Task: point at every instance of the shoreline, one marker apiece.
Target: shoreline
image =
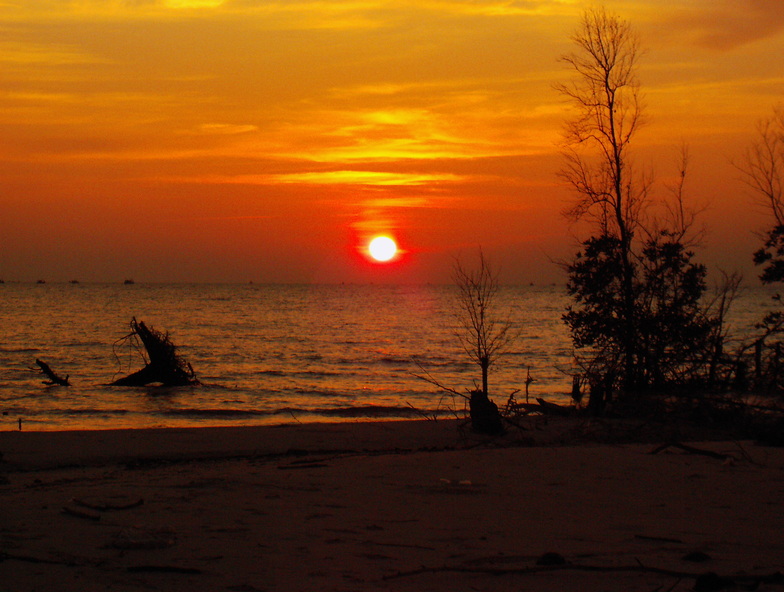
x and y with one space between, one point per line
34 450
28 450
404 506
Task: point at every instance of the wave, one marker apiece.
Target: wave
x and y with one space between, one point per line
375 411
303 373
19 350
88 411
367 411
203 413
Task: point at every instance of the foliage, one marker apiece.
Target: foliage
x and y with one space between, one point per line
671 328
598 167
763 171
771 255
638 321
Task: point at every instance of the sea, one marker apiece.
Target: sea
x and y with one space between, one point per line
276 354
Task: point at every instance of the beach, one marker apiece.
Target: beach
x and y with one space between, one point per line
405 505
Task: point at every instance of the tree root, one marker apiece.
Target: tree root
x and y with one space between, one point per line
164 365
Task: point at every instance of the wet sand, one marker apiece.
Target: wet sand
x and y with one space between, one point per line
413 505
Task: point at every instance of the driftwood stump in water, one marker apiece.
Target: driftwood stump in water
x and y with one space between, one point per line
163 366
53 378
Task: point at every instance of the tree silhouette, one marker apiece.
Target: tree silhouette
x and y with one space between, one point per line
762 169
637 320
605 93
483 335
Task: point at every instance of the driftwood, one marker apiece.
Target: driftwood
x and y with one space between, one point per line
692 450
164 365
703 581
170 569
542 406
49 373
101 507
554 408
81 514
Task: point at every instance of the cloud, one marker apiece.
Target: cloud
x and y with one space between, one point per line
193 3
224 129
723 24
36 54
291 15
340 177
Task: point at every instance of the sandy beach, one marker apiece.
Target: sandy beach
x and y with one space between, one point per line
413 505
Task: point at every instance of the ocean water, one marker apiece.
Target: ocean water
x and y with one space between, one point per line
268 354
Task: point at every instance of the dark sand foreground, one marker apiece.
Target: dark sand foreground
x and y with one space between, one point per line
414 505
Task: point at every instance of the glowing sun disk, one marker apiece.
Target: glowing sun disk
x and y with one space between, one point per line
382 248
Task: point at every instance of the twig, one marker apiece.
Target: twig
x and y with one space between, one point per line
645 537
80 514
671 588
745 454
501 571
774 578
163 569
422 413
429 378
305 465
691 449
29 559
107 506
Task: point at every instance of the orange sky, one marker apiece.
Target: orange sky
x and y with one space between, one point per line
251 140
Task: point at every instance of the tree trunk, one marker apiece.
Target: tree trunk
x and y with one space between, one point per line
485 367
485 418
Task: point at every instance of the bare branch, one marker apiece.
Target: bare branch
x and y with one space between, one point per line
427 377
762 167
606 94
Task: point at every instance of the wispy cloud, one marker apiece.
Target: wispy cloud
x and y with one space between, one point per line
291 15
223 129
340 177
34 54
720 24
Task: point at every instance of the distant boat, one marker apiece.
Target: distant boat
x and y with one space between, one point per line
128 282
74 282
40 282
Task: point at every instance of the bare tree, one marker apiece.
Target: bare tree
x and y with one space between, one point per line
637 319
762 169
763 164
483 335
605 92
681 218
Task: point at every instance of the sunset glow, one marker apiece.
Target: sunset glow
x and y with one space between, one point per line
221 140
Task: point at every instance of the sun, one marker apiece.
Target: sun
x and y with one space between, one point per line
382 248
